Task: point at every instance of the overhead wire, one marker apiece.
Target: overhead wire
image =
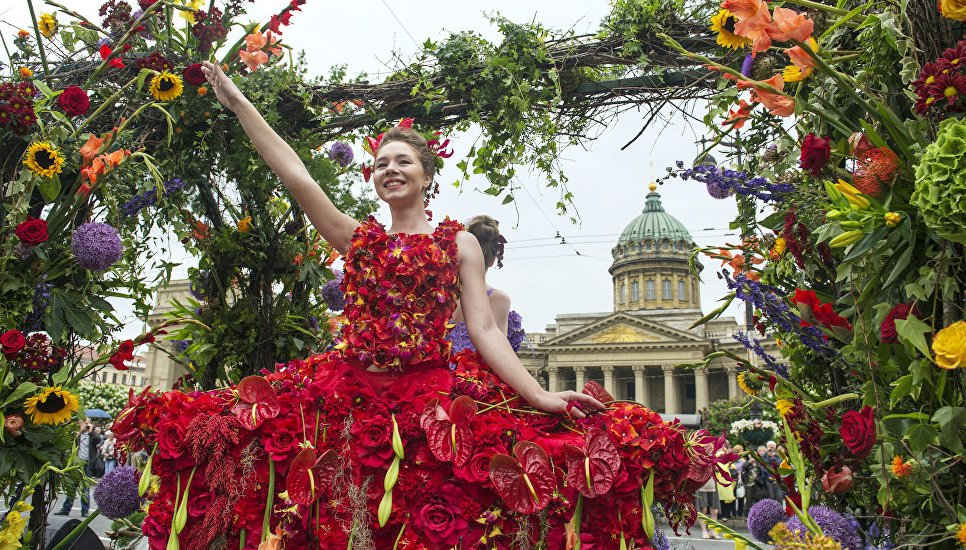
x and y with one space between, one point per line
401 24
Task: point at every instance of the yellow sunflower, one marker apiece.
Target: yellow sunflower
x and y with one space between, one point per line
724 24
43 159
785 407
743 384
47 25
794 73
53 405
166 86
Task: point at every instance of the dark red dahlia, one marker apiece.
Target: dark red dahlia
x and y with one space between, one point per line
887 330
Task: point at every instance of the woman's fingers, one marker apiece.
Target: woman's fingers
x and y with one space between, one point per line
585 399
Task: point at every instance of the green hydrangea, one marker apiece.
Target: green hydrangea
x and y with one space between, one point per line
940 191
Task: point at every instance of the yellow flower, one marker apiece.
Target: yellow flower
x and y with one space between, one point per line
166 86
43 159
953 9
189 16
245 224
47 25
961 535
785 407
901 469
724 24
949 345
743 384
25 73
13 529
794 73
892 219
777 248
53 405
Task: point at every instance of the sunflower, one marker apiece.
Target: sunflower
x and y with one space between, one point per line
43 159
54 405
166 86
724 24
743 383
785 407
794 73
47 25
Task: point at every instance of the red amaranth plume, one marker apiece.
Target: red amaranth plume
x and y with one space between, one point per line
210 439
876 168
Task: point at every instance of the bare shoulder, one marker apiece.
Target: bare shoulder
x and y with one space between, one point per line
468 246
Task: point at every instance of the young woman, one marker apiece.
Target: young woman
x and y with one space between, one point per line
379 444
487 233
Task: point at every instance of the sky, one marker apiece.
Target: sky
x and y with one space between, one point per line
543 276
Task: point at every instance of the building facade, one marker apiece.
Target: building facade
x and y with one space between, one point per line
635 350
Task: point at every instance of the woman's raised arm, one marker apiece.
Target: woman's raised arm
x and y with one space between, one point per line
334 226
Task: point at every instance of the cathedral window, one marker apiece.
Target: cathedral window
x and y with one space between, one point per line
682 291
635 291
666 289
649 289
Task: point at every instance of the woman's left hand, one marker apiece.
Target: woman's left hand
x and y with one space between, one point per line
566 402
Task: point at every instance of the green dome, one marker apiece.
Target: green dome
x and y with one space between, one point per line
654 223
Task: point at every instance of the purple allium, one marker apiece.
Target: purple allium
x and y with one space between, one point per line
718 191
96 246
764 515
746 65
833 524
117 493
332 294
341 152
514 330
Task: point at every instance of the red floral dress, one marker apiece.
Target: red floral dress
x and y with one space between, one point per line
380 443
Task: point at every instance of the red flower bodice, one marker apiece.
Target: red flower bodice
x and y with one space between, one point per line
400 291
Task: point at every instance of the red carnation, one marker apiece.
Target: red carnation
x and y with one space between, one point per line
815 154
193 75
12 342
74 101
32 232
887 330
858 431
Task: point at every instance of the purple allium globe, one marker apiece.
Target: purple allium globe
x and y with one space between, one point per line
763 516
117 493
341 153
332 294
833 524
96 246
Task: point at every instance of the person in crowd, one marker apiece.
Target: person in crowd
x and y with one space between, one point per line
87 443
726 489
741 490
707 503
108 452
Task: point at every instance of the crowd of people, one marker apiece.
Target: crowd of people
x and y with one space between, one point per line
96 450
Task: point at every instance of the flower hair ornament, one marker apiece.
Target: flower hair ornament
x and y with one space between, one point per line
437 146
500 243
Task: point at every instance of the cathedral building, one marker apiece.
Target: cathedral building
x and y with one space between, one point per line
634 350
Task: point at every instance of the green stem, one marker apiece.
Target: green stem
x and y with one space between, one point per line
89 25
40 44
834 400
77 530
817 6
241 539
108 103
118 47
399 536
270 501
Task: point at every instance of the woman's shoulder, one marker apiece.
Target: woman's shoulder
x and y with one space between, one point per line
498 296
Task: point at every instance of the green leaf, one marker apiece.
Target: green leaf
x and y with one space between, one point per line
62 375
951 422
23 390
49 188
921 436
912 331
900 265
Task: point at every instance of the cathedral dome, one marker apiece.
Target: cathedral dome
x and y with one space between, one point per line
654 223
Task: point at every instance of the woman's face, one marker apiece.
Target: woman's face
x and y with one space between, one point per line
398 175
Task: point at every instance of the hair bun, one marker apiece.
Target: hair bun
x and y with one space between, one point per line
487 231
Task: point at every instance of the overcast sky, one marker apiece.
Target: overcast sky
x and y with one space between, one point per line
543 276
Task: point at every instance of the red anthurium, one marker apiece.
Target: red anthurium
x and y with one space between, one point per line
257 402
598 392
308 472
593 468
526 482
448 433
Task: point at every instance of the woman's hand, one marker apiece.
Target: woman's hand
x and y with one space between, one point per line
574 403
225 90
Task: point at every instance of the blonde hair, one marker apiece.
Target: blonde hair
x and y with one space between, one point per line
487 232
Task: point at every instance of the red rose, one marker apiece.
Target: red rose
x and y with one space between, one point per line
192 74
32 231
282 442
12 424
440 519
815 154
837 480
887 330
74 101
170 439
477 470
373 441
12 342
858 431
198 503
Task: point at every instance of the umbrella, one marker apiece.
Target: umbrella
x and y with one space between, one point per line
98 413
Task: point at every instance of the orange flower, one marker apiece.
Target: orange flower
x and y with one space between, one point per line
23 34
253 59
802 59
201 230
89 150
754 20
777 104
255 43
738 116
25 73
297 260
901 469
102 164
202 91
790 25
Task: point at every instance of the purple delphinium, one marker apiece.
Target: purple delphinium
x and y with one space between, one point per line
460 337
103 41
332 294
117 493
833 524
659 541
755 346
41 301
96 246
341 153
736 181
514 330
764 515
150 197
746 65
716 190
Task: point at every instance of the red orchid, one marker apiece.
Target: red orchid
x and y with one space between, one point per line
525 483
448 433
105 52
593 468
439 148
308 471
257 402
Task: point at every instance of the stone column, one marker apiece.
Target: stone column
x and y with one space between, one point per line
609 380
732 381
640 384
553 383
670 391
701 398
579 376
